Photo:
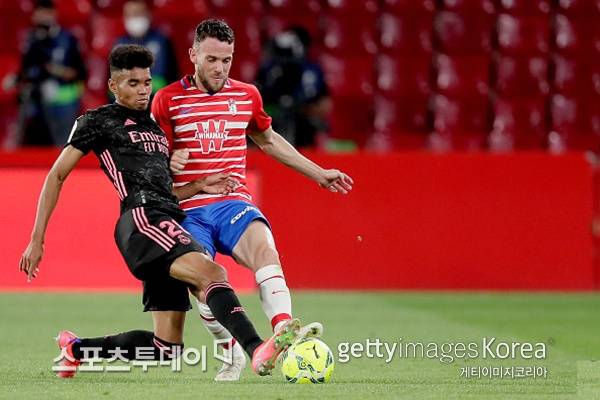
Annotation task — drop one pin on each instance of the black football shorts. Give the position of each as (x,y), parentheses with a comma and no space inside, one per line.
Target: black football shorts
(150,239)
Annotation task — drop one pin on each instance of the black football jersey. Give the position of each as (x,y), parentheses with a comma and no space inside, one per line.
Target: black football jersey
(133,152)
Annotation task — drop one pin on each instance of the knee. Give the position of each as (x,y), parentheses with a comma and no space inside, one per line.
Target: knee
(266,255)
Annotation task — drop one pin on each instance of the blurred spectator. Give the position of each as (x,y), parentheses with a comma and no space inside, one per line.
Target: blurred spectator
(293,87)
(51,80)
(137,20)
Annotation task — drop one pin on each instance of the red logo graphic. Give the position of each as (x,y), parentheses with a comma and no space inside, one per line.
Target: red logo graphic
(211,135)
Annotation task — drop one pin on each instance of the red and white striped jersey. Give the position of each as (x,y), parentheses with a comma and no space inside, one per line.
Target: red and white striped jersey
(213,127)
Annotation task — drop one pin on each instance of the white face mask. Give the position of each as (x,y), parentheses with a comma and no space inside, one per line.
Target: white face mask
(137,26)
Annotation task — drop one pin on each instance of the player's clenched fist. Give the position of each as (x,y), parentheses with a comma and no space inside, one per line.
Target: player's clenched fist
(179,159)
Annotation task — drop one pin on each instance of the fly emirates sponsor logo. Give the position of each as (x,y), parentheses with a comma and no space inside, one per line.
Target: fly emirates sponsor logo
(151,141)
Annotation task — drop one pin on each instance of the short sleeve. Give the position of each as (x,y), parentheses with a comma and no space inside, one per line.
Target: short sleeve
(83,136)
(260,121)
(160,114)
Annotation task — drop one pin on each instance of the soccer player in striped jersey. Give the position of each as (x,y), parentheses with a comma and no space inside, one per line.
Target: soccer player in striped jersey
(133,154)
(207,117)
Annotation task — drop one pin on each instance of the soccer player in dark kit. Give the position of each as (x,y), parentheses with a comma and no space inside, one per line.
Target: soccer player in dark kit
(133,153)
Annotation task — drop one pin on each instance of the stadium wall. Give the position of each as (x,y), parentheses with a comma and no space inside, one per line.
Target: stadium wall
(413,221)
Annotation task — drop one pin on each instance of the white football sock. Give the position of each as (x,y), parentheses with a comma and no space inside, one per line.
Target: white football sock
(274,295)
(212,325)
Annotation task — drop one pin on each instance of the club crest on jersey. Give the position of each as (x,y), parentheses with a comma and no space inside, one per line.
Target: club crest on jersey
(232,106)
(211,135)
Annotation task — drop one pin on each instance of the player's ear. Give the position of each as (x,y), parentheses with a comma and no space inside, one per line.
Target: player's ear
(112,86)
(192,53)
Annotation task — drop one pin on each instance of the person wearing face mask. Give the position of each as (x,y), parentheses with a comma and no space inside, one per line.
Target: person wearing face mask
(50,81)
(137,20)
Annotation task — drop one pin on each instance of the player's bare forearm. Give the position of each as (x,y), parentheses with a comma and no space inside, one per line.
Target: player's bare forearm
(277,147)
(188,190)
(47,202)
(280,149)
(62,167)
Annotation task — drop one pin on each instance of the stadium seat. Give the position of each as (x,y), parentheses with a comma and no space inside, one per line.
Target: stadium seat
(349,35)
(97,74)
(518,124)
(403,77)
(352,118)
(575,122)
(575,76)
(521,76)
(235,7)
(109,8)
(469,6)
(104,31)
(405,34)
(9,66)
(409,8)
(282,14)
(244,68)
(523,35)
(463,76)
(459,123)
(525,7)
(247,33)
(401,115)
(577,35)
(462,34)
(366,8)
(587,8)
(172,10)
(349,76)
(17,7)
(13,33)
(73,12)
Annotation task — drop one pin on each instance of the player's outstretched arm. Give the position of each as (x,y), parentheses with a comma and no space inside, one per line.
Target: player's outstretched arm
(277,147)
(64,164)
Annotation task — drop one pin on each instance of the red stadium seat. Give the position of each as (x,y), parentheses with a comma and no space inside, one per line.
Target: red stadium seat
(275,23)
(349,35)
(17,7)
(409,8)
(13,33)
(518,124)
(244,68)
(350,76)
(459,123)
(525,7)
(169,10)
(104,32)
(523,35)
(247,33)
(9,66)
(469,6)
(579,7)
(365,8)
(575,77)
(462,34)
(232,8)
(462,76)
(403,77)
(352,118)
(112,8)
(401,115)
(576,123)
(580,35)
(405,34)
(97,74)
(73,12)
(520,76)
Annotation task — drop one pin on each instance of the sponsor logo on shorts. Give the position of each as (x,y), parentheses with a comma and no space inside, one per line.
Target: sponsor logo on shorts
(241,214)
(184,239)
(237,310)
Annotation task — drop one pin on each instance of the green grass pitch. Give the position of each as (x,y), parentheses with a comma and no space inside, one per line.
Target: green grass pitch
(569,324)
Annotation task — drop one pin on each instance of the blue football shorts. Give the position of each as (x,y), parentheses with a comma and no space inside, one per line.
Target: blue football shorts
(219,226)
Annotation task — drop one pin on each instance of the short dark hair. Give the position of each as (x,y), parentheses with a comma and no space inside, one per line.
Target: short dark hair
(47,4)
(129,56)
(214,28)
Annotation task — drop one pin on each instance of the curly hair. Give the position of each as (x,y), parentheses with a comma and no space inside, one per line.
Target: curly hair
(214,28)
(129,56)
